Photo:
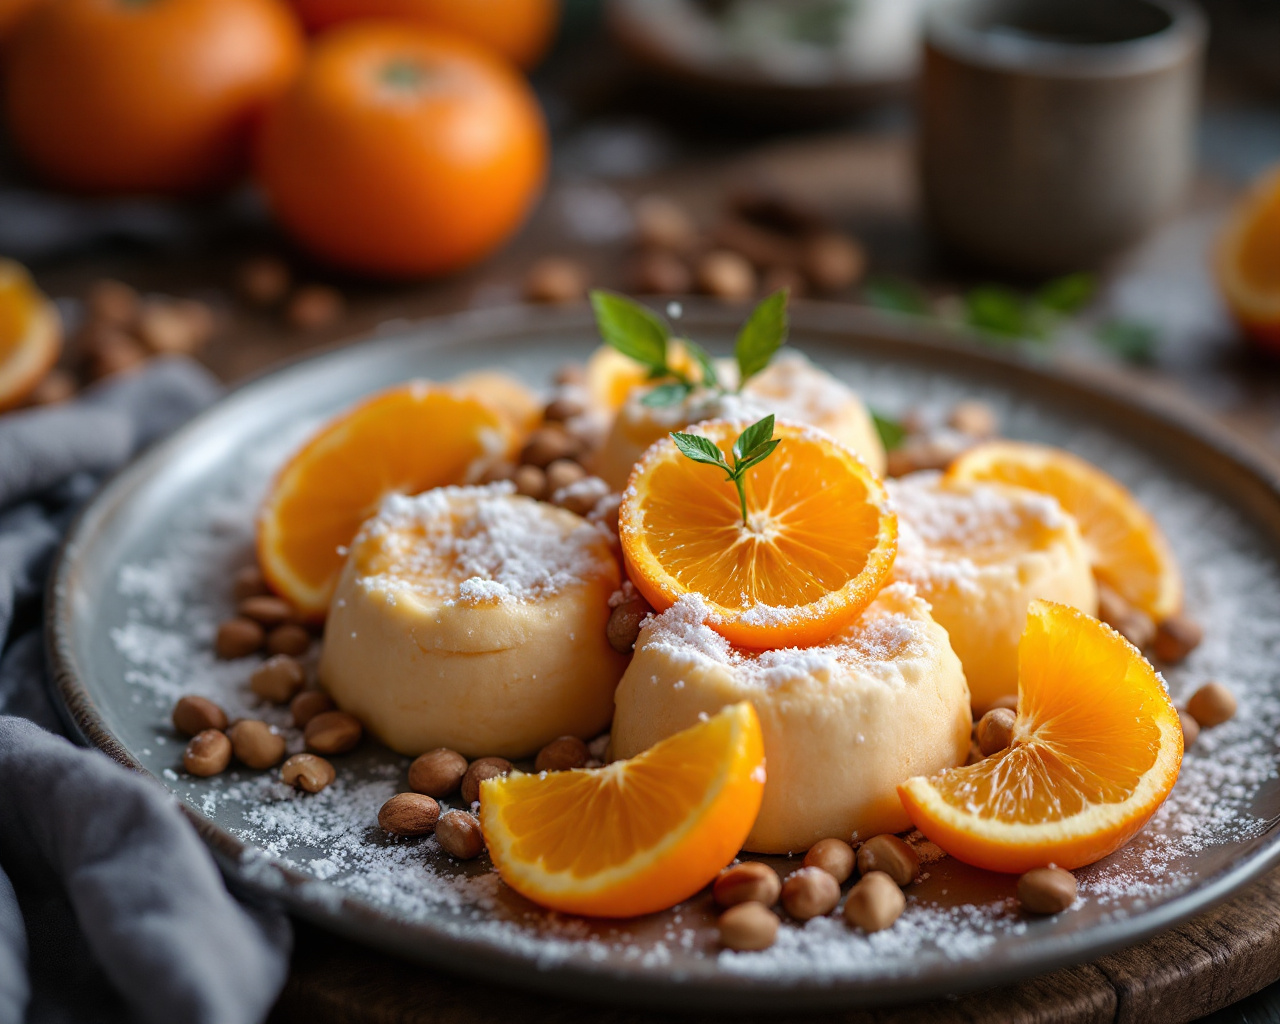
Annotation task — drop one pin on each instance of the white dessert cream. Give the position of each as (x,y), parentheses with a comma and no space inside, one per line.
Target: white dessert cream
(791,388)
(471,618)
(844,723)
(980,554)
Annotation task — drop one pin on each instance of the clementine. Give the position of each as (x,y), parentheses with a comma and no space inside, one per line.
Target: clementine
(145,95)
(401,151)
(520,30)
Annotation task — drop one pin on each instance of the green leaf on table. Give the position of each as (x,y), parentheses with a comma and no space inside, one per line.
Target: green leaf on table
(896,296)
(631,329)
(710,379)
(666,394)
(761,336)
(1067,295)
(1132,340)
(753,437)
(700,449)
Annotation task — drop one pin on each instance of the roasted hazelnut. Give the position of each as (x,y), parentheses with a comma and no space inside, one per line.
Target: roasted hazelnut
(307,772)
(1176,637)
(208,753)
(891,855)
(113,302)
(563,407)
(248,582)
(977,419)
(834,856)
(1047,890)
(289,638)
(554,279)
(265,609)
(480,769)
(56,386)
(747,927)
(306,705)
(662,223)
(530,481)
(409,814)
(547,444)
(263,280)
(278,679)
(459,835)
(874,903)
(726,275)
(255,743)
(1131,623)
(661,273)
(810,892)
(175,326)
(562,473)
(994,730)
(238,638)
(749,881)
(833,262)
(1212,705)
(109,351)
(314,307)
(582,496)
(1190,728)
(192,715)
(561,755)
(623,628)
(438,772)
(332,732)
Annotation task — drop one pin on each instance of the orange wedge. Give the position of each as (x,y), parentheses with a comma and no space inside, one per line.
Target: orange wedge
(1247,262)
(819,544)
(635,836)
(30,334)
(1096,749)
(406,440)
(1126,548)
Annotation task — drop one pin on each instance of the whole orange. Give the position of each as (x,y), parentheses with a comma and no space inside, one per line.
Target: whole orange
(402,151)
(146,95)
(12,12)
(518,29)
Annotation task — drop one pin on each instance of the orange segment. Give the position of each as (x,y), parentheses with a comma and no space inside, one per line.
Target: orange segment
(1248,261)
(1126,548)
(820,543)
(406,440)
(30,334)
(1096,749)
(635,836)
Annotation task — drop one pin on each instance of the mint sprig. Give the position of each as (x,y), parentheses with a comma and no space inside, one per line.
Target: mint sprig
(753,446)
(761,336)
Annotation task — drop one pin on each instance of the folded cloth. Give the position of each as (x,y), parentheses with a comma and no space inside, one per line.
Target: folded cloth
(111,909)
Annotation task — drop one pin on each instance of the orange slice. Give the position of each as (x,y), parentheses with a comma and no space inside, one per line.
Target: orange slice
(30,334)
(1247,262)
(820,543)
(635,836)
(505,395)
(1096,749)
(406,440)
(1126,548)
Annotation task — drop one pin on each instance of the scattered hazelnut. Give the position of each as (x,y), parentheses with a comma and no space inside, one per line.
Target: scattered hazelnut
(891,855)
(833,262)
(994,730)
(1190,729)
(748,927)
(307,772)
(263,280)
(57,386)
(278,679)
(109,351)
(555,279)
(1176,637)
(561,755)
(759,246)
(562,473)
(582,496)
(1212,705)
(1046,890)
(306,705)
(547,444)
(977,419)
(530,481)
(208,753)
(726,275)
(1131,623)
(777,278)
(480,769)
(265,609)
(765,205)
(255,743)
(113,302)
(459,835)
(175,326)
(874,903)
(332,732)
(193,715)
(238,638)
(749,881)
(624,624)
(248,582)
(663,224)
(290,639)
(834,856)
(563,407)
(438,772)
(409,814)
(661,273)
(313,307)
(810,892)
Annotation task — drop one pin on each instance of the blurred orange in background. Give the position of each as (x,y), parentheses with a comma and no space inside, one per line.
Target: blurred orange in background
(402,151)
(521,30)
(1248,262)
(154,97)
(12,12)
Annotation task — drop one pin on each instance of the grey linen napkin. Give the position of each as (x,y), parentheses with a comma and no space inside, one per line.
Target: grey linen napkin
(111,909)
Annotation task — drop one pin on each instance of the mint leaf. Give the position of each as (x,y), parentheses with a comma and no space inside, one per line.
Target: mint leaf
(892,433)
(710,379)
(1067,295)
(752,438)
(700,449)
(761,336)
(1132,340)
(896,296)
(756,455)
(1000,311)
(666,394)
(631,329)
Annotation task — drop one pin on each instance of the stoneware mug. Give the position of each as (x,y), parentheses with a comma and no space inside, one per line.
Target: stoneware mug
(1055,132)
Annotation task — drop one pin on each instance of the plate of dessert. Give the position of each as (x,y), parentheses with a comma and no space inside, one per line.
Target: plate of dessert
(696,657)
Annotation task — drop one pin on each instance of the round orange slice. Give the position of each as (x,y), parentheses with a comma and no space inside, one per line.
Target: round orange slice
(405,440)
(818,544)
(1126,548)
(30,334)
(635,836)
(1096,749)
(1247,262)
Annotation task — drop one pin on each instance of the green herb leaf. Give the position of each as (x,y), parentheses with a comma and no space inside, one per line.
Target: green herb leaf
(752,438)
(1000,311)
(761,336)
(1132,340)
(700,449)
(892,432)
(631,329)
(896,296)
(666,394)
(710,379)
(1067,295)
(756,455)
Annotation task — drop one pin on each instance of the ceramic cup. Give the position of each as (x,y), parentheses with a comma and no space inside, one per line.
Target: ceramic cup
(1055,132)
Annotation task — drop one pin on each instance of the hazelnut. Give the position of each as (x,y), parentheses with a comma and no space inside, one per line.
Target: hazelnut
(874,903)
(624,624)
(562,473)
(437,772)
(193,715)
(1176,637)
(1046,890)
(977,419)
(834,856)
(409,814)
(109,351)
(1212,705)
(306,705)
(810,892)
(530,481)
(761,247)
(278,679)
(113,302)
(495,472)
(547,444)
(749,881)
(661,273)
(265,609)
(56,386)
(459,835)
(290,639)
(833,262)
(248,582)
(307,772)
(777,278)
(1190,729)
(332,732)
(726,275)
(263,280)
(563,407)
(747,927)
(238,638)
(1131,623)
(313,307)
(662,223)
(480,769)
(994,730)
(562,754)
(582,496)
(255,743)
(555,279)
(891,855)
(175,326)
(208,753)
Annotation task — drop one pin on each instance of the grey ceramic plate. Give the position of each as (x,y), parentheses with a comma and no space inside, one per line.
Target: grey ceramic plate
(144,577)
